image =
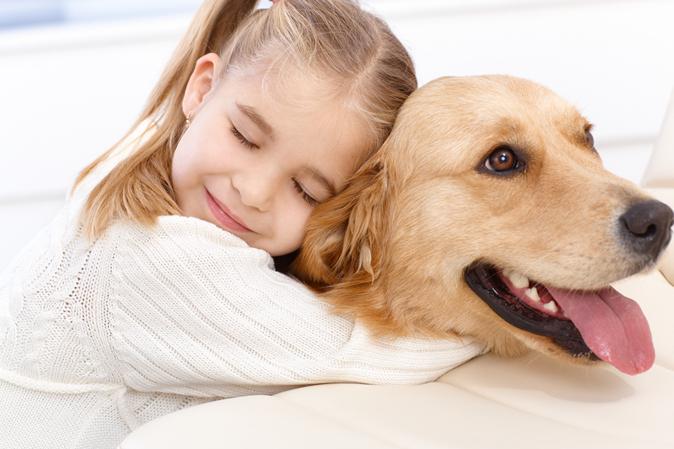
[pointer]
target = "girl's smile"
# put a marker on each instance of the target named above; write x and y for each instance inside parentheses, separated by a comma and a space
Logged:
(225, 216)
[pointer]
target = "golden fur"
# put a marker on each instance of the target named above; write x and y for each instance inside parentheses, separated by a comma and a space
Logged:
(391, 248)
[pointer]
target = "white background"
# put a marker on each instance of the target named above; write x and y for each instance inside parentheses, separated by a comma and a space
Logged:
(67, 92)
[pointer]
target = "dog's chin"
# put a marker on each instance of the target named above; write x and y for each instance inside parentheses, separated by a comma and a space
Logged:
(539, 318)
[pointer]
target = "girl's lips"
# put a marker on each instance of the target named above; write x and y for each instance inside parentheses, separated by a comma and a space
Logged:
(224, 216)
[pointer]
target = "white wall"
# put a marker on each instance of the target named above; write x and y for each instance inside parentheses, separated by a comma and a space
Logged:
(67, 93)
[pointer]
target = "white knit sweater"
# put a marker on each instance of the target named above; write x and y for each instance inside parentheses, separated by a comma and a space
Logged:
(96, 339)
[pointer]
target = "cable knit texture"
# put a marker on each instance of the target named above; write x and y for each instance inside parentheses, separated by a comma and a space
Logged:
(99, 338)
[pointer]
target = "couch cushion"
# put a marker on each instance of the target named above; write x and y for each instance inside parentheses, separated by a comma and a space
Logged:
(432, 416)
(444, 415)
(598, 399)
(250, 422)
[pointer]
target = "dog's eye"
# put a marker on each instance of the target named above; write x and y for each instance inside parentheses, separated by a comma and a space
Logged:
(502, 159)
(589, 138)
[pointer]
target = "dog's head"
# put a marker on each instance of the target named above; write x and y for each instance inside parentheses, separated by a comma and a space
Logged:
(488, 213)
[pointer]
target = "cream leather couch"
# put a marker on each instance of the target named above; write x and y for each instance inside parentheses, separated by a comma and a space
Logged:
(531, 402)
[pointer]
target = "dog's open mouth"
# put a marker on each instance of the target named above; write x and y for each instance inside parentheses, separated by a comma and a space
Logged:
(598, 324)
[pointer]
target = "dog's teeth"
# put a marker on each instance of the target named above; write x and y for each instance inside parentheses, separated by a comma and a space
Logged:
(551, 306)
(532, 293)
(517, 279)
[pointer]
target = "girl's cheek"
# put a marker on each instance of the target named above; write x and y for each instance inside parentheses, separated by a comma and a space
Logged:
(289, 229)
(187, 168)
(180, 166)
(300, 224)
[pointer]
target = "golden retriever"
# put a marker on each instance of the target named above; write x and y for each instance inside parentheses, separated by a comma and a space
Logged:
(488, 213)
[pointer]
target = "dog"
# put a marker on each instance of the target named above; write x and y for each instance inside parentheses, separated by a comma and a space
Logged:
(488, 213)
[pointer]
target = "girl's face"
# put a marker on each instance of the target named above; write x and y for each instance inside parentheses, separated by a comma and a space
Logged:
(255, 161)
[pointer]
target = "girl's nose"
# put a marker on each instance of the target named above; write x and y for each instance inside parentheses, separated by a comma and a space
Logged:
(255, 190)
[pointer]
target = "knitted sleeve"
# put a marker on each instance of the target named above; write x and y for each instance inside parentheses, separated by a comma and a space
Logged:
(196, 311)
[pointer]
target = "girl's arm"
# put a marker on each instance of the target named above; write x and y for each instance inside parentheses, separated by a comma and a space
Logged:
(195, 311)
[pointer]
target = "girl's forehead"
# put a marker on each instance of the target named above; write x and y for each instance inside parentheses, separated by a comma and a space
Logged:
(294, 99)
(289, 86)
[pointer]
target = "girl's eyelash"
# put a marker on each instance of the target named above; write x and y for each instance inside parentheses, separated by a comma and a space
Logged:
(311, 201)
(242, 139)
(300, 190)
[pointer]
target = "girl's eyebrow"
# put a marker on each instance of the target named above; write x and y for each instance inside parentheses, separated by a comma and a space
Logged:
(252, 114)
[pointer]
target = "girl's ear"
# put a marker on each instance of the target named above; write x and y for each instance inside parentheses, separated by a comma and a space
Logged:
(202, 81)
(344, 235)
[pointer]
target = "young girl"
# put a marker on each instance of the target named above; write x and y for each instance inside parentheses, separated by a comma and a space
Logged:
(154, 288)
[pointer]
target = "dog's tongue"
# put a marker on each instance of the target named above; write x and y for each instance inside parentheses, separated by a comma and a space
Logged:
(611, 325)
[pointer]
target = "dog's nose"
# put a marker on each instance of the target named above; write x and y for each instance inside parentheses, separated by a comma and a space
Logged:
(646, 227)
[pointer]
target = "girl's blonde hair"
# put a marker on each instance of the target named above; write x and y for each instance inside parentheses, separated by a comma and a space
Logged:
(335, 37)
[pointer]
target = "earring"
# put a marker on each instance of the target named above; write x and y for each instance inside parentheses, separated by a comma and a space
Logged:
(188, 121)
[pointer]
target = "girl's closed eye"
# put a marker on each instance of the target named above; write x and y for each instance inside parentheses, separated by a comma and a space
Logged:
(242, 139)
(308, 198)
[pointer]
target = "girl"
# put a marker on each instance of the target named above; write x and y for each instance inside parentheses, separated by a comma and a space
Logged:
(154, 288)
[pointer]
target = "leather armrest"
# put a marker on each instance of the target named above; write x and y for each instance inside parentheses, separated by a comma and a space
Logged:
(660, 169)
(666, 264)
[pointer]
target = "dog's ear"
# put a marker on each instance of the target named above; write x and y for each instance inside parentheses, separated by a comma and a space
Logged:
(343, 239)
